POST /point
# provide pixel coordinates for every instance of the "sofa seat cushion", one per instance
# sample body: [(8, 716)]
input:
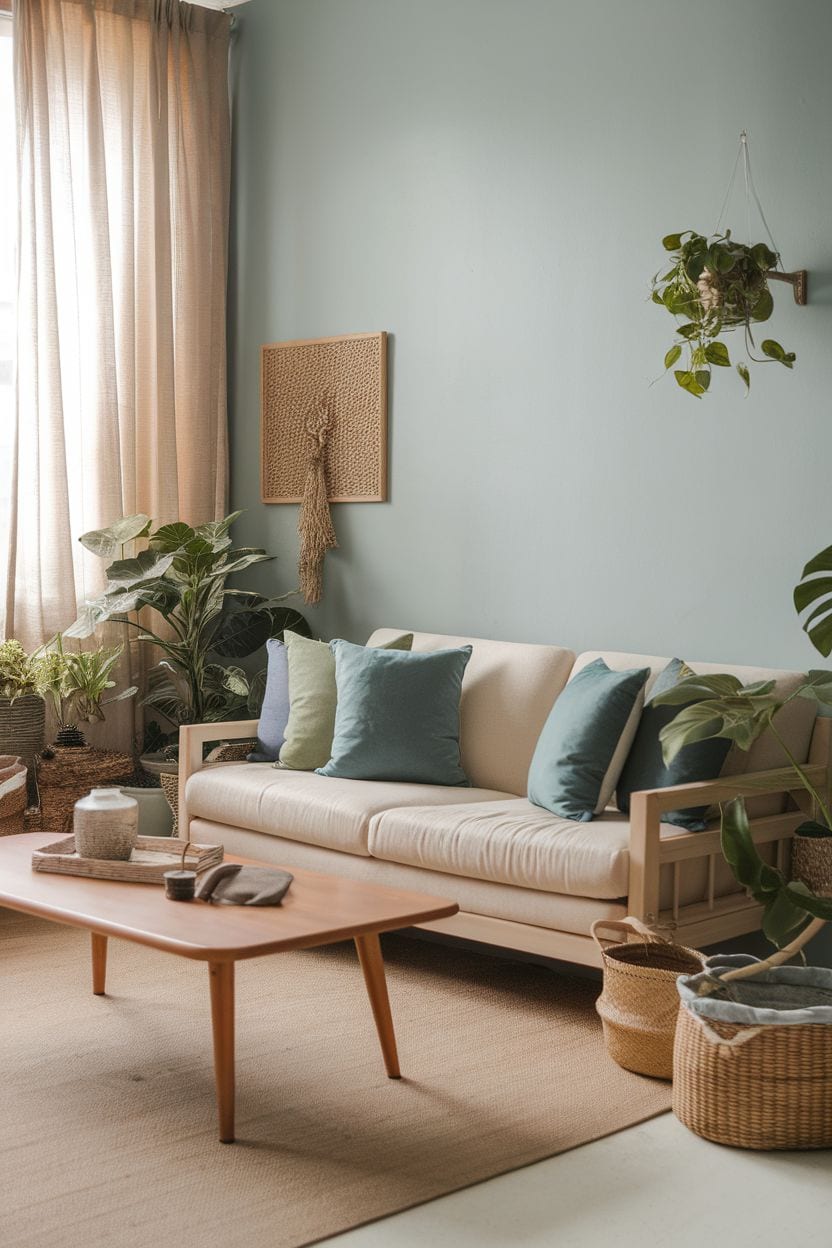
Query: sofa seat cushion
[(510, 842), (302, 806)]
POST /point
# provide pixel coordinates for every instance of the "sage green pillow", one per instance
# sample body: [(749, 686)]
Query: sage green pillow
[(313, 697)]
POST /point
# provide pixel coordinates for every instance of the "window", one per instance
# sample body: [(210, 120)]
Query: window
[(8, 282)]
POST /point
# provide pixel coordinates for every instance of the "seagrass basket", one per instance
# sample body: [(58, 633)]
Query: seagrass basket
[(22, 727), (757, 1085), (12, 794), (639, 1003), (170, 787), (812, 862), (69, 775)]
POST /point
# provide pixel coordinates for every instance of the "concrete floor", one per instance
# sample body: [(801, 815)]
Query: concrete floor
[(650, 1186)]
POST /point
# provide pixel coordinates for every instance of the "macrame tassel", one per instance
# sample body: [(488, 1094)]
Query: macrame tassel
[(315, 521)]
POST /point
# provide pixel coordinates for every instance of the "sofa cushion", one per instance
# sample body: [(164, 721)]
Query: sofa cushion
[(585, 741), (794, 723), (302, 806), (398, 715), (274, 713), (507, 693), (510, 842)]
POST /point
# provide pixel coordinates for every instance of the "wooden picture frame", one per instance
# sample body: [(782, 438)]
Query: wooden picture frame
[(348, 373)]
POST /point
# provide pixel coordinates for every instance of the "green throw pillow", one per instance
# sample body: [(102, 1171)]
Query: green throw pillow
[(312, 700), (398, 715), (575, 763), (645, 767)]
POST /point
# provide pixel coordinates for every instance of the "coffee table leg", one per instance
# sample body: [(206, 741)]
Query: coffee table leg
[(372, 964), (222, 1019), (99, 963)]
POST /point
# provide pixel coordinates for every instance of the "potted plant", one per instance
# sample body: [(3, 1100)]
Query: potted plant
[(716, 285), (182, 578), (75, 684), (21, 706), (721, 706)]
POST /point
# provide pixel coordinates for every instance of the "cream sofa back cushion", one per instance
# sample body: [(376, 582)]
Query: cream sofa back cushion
[(507, 693)]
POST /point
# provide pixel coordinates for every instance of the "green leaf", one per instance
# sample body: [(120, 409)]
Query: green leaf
[(672, 242), (699, 688), (171, 537), (763, 306), (690, 725), (240, 559), (703, 378), (717, 353), (672, 356), (813, 829), (146, 565), (742, 369), (811, 589), (690, 330), (772, 349), (688, 382), (657, 298), (782, 918), (107, 542), (763, 257), (236, 681), (818, 684), (256, 692), (818, 907), (738, 846)]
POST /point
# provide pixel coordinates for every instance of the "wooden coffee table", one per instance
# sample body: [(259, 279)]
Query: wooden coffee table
[(317, 910)]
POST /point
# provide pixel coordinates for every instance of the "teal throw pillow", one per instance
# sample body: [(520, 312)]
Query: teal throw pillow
[(645, 767), (398, 715), (581, 749)]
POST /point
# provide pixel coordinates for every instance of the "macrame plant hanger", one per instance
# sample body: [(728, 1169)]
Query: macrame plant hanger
[(798, 280), (317, 534)]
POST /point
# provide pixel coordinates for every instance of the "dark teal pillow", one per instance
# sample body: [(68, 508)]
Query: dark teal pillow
[(572, 771), (646, 769), (397, 715)]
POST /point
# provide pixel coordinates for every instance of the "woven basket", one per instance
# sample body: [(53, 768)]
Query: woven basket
[(22, 727), (12, 794), (761, 1087), (70, 775), (639, 1003), (170, 788), (812, 862)]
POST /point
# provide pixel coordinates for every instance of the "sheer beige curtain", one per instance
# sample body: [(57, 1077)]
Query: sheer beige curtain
[(123, 161)]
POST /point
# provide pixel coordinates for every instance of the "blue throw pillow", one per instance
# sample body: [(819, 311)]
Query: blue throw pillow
[(645, 767), (274, 713), (583, 744), (397, 715)]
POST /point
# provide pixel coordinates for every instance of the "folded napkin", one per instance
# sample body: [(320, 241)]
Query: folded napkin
[(232, 884)]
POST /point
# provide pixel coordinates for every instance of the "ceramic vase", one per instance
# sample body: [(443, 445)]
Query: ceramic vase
[(106, 824)]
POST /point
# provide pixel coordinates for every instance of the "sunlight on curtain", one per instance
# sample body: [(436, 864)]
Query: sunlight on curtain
[(8, 268)]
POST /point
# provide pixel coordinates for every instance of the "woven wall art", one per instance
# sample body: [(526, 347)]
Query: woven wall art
[(347, 376), (323, 435)]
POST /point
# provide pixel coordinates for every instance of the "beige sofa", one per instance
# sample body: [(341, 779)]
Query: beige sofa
[(524, 878)]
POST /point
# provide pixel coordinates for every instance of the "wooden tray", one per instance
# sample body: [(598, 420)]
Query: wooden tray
[(152, 857)]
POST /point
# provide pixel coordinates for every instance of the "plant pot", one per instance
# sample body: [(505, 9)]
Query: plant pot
[(812, 862), (158, 765), (155, 815), (22, 727), (106, 825)]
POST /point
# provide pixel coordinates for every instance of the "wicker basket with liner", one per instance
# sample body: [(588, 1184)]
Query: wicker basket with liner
[(640, 1003), (13, 773), (753, 1052)]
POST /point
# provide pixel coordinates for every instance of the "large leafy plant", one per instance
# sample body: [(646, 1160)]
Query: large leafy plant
[(18, 671), (713, 286), (182, 576), (721, 706), (75, 681)]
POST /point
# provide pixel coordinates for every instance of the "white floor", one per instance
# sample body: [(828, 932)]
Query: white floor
[(651, 1186)]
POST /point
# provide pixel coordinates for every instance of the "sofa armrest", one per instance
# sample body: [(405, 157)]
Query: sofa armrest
[(192, 738), (648, 851)]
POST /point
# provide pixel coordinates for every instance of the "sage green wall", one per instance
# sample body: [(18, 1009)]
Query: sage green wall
[(488, 180)]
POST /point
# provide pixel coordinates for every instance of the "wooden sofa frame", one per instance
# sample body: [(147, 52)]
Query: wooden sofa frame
[(699, 924)]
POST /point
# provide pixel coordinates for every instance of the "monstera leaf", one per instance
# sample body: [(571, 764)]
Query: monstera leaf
[(716, 706), (815, 591)]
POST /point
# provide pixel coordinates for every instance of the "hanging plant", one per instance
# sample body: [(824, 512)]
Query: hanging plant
[(714, 286)]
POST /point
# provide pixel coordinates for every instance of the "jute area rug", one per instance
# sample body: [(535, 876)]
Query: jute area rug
[(107, 1119)]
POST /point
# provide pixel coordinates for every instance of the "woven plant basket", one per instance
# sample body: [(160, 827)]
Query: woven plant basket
[(12, 794), (639, 1004), (22, 727), (812, 862), (70, 775), (751, 1085), (233, 752), (170, 788)]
